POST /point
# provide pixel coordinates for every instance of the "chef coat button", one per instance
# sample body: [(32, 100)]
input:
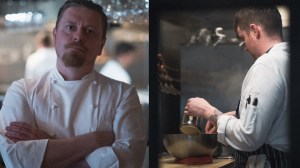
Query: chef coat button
[(101, 155), (54, 106), (95, 82), (92, 107), (54, 81)]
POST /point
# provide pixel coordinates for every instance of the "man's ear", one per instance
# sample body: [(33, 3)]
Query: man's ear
[(54, 35), (255, 30), (101, 47)]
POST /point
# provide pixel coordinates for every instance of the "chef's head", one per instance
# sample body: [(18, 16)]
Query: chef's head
[(84, 3), (254, 23), (79, 34)]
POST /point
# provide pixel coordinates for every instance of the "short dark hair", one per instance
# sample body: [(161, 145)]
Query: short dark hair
[(84, 3), (44, 38), (123, 47), (266, 16)]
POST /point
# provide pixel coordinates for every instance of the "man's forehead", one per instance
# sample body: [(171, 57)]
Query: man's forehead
[(80, 11), (72, 11), (82, 14)]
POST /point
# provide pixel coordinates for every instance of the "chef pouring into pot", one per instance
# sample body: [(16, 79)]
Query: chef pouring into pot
[(258, 129)]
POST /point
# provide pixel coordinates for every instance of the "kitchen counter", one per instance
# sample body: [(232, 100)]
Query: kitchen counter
[(169, 162)]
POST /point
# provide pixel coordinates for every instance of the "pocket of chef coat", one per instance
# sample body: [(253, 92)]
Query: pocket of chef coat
[(248, 115)]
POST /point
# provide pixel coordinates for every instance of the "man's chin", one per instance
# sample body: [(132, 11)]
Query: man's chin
[(73, 60), (72, 66)]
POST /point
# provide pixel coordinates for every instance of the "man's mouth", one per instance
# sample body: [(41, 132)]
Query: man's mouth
[(77, 47)]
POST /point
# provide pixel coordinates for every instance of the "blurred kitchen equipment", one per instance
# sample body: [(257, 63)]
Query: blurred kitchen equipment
[(211, 37), (166, 81), (120, 11), (204, 37), (220, 36), (190, 125), (182, 146)]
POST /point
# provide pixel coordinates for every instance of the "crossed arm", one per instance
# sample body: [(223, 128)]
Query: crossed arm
[(68, 152), (123, 146)]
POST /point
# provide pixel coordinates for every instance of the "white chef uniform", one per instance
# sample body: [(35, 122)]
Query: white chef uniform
[(263, 108), (115, 71), (40, 62), (71, 108)]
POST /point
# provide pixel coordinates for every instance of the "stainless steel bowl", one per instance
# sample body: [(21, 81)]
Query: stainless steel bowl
[(183, 146)]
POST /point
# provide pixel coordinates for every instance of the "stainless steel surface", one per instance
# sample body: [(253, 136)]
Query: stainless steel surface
[(183, 146)]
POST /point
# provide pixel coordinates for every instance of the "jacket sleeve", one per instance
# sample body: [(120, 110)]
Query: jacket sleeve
[(129, 148), (257, 119), (15, 108)]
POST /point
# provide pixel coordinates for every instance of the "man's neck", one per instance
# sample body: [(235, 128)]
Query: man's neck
[(73, 73), (269, 43), (123, 62)]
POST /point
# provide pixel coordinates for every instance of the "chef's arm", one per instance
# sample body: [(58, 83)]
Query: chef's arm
[(129, 148), (60, 148), (212, 123), (231, 113), (213, 119), (64, 152), (250, 131)]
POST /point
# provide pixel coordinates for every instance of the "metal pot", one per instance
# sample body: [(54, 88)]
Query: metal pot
[(182, 146)]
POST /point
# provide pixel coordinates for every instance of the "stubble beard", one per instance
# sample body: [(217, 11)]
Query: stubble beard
[(71, 59)]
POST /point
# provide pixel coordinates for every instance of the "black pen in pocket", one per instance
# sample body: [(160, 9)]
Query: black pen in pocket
[(255, 102), (248, 101)]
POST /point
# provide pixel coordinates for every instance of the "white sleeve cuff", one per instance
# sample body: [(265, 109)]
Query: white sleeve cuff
[(222, 123), (102, 158), (23, 153)]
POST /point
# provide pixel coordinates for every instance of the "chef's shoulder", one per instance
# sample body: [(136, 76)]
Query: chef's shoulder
[(30, 85), (114, 85)]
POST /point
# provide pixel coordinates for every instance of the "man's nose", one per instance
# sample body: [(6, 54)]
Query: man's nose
[(78, 36)]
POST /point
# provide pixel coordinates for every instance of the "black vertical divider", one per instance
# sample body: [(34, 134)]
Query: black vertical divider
[(153, 86), (295, 84)]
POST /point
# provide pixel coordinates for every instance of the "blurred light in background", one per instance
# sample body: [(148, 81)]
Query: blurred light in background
[(121, 11), (24, 18)]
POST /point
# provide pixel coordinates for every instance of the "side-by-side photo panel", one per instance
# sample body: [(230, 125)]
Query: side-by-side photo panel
[(223, 85), (74, 83)]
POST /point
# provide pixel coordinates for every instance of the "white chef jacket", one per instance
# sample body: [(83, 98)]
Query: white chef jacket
[(114, 70), (40, 62), (267, 122), (71, 108)]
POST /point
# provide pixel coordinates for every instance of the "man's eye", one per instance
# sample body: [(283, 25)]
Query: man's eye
[(89, 31), (70, 27)]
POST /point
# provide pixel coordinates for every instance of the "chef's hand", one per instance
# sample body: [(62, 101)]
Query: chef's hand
[(210, 128), (21, 131), (199, 107), (105, 138)]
